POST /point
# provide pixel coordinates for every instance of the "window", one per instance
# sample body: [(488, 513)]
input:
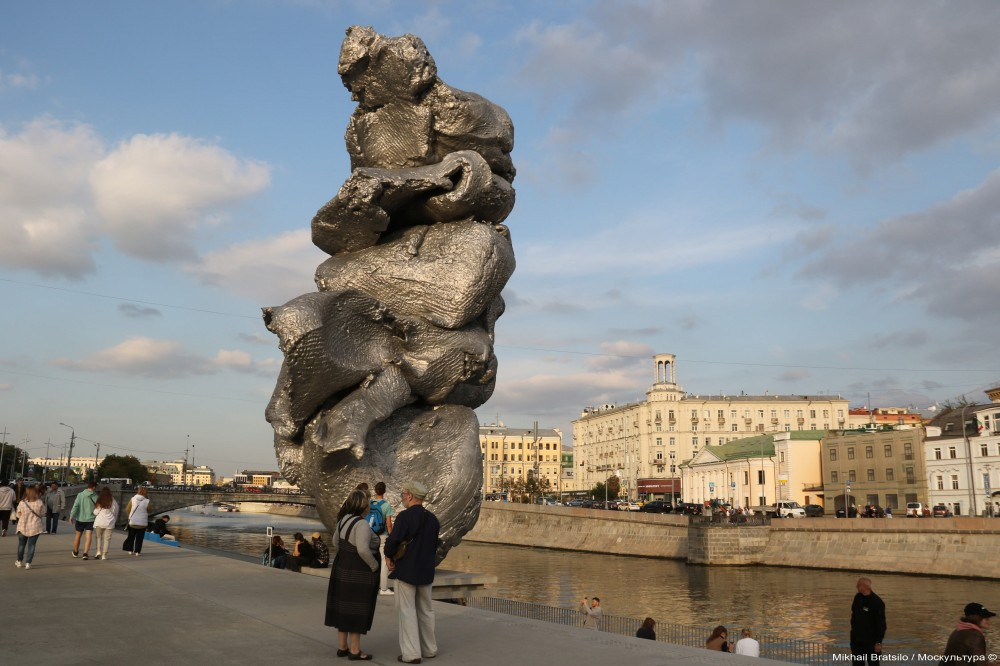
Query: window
[(673, 455), (826, 413), (909, 475), (659, 441), (746, 478), (812, 413), (788, 427), (833, 455), (834, 477), (736, 427), (774, 413), (850, 453), (694, 427), (659, 455), (732, 413), (892, 501), (798, 413), (840, 414), (954, 481), (852, 476), (908, 451), (694, 442), (673, 441), (952, 453), (761, 477), (890, 474), (871, 475), (781, 456), (659, 427), (670, 415), (760, 413), (869, 452), (940, 483), (788, 413), (694, 413), (721, 414), (984, 450), (937, 453), (708, 441), (888, 450)]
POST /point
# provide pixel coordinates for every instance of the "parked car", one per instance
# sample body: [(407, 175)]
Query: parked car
[(574, 503), (690, 508), (853, 512), (916, 510), (814, 510), (941, 511), (656, 506), (587, 504), (611, 505), (785, 509), (628, 505)]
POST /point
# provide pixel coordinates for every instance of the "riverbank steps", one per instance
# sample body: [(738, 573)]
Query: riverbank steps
[(960, 546), (176, 606)]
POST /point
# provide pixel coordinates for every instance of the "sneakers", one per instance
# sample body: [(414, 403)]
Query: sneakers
[(75, 553), (17, 563), (386, 592), (3, 533), (137, 554), (97, 556), (27, 565), (85, 556)]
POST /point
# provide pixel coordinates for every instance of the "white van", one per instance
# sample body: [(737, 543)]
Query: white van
[(916, 510)]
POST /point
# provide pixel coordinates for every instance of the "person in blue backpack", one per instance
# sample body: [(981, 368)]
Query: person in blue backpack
[(380, 520)]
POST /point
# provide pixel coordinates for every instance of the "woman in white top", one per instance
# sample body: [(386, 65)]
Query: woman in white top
[(30, 523), (105, 515), (138, 518)]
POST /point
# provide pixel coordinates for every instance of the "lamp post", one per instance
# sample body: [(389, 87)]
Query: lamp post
[(72, 441), (3, 447), (192, 464), (97, 454), (968, 452)]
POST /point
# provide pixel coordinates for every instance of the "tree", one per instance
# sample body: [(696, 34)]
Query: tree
[(597, 492), (13, 460), (537, 486), (122, 467)]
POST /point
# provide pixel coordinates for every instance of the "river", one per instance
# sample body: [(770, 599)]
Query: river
[(795, 603)]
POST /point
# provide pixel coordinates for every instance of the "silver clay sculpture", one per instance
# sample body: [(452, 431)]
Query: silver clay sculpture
[(385, 363)]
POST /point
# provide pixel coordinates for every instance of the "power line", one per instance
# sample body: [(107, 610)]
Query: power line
[(128, 300)]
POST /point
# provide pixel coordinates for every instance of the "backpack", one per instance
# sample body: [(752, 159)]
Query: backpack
[(376, 519)]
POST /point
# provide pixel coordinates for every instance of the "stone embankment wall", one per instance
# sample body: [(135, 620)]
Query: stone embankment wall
[(586, 530), (962, 546)]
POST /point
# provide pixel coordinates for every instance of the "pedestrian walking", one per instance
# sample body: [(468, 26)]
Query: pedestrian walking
[(592, 609), (137, 511), (105, 517), (747, 645), (411, 553), (968, 640), (867, 624), (55, 504), (82, 518), (646, 630), (30, 523), (6, 506), (353, 589), (380, 520)]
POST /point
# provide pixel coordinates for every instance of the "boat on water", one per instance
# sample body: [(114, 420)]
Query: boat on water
[(228, 508)]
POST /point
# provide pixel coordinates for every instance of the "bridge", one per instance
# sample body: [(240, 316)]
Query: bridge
[(164, 500)]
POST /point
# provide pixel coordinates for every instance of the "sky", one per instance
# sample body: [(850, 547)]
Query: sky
[(791, 197)]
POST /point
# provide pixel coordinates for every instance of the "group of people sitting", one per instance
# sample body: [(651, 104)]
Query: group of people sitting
[(315, 555)]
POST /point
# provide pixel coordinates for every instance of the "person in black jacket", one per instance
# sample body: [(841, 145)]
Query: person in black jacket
[(867, 624), (413, 572), (968, 640)]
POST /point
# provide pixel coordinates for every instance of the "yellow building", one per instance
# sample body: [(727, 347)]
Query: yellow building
[(520, 454), (644, 442)]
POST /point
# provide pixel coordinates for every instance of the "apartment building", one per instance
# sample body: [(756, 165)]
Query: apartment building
[(644, 442), (883, 467), (520, 453)]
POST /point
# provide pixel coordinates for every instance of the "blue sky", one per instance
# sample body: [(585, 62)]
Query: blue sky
[(791, 197)]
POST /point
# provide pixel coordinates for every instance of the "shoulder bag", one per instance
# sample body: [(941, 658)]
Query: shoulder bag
[(405, 543)]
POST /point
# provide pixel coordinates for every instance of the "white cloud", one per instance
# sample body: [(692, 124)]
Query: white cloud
[(45, 204), (17, 80), (270, 270), (162, 359), (60, 190), (155, 191)]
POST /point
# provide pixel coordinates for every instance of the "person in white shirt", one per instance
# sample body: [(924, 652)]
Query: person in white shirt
[(747, 645)]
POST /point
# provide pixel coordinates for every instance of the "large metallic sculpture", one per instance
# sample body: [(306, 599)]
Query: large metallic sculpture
[(385, 363)]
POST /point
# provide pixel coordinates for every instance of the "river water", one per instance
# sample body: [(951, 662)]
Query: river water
[(794, 603)]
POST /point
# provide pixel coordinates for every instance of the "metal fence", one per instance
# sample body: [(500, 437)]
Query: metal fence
[(771, 645), (734, 520)]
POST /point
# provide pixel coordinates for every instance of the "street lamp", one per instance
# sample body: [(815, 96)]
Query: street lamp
[(72, 440), (968, 452)]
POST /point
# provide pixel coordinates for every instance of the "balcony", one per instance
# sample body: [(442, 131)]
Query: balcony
[(722, 421), (774, 420), (747, 420), (694, 419)]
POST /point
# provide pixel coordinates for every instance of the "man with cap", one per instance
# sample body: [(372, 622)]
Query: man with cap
[(867, 624), (968, 639), (413, 571), (321, 552)]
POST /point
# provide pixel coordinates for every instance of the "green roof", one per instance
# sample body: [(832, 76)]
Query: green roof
[(759, 445)]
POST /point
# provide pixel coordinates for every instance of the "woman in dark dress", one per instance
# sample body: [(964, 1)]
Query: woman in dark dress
[(646, 630), (354, 581)]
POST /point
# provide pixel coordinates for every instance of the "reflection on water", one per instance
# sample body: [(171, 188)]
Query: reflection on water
[(795, 603), (244, 533)]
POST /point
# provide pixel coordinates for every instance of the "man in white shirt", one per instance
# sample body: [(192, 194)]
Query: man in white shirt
[(748, 645), (6, 506)]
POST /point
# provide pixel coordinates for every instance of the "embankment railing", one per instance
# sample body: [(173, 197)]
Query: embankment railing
[(771, 646)]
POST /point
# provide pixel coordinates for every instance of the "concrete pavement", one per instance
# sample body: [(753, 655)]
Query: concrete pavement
[(180, 606)]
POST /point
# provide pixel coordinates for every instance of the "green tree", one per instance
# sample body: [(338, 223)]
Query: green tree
[(597, 492), (537, 487), (14, 458), (127, 467)]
